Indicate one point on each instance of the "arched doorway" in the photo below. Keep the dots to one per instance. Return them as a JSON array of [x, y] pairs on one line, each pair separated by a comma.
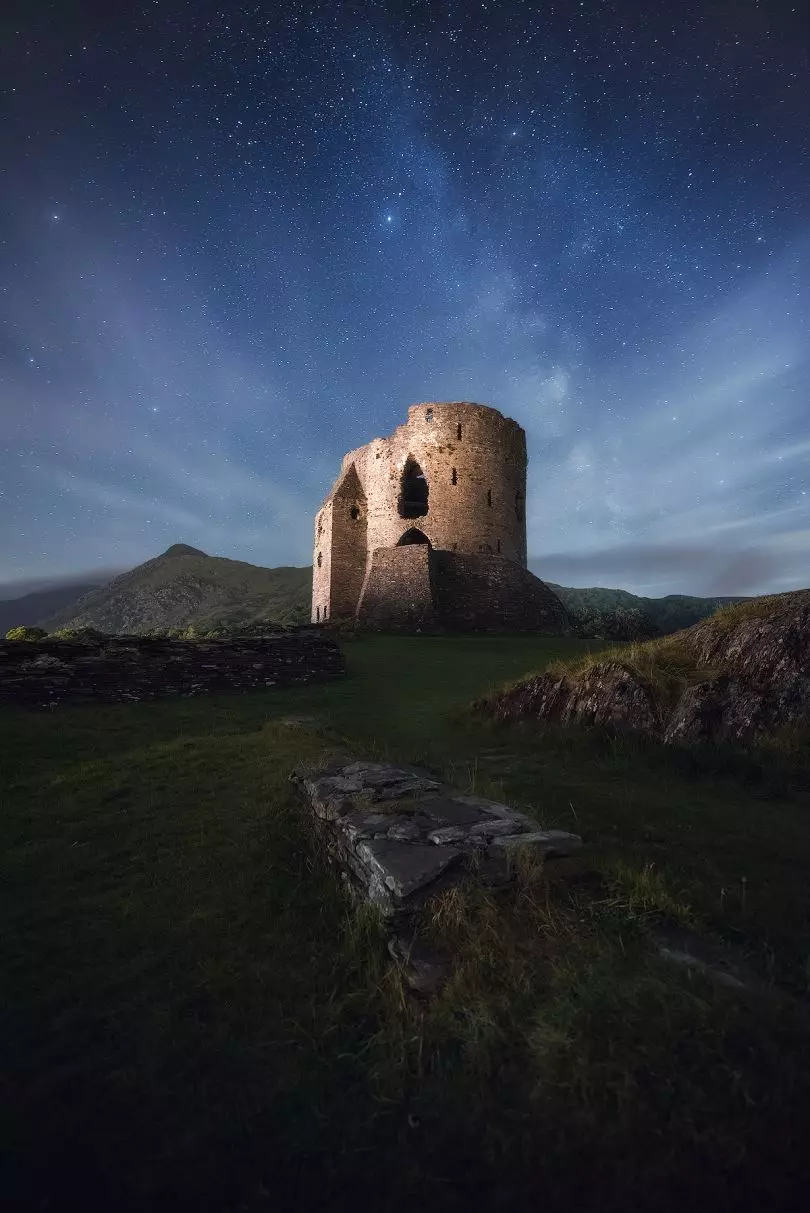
[[414, 535]]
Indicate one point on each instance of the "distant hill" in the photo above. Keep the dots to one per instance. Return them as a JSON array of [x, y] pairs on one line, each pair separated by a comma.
[[185, 586], [29, 609], [671, 613]]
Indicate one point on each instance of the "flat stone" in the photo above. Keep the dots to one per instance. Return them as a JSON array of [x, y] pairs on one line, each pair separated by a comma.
[[395, 781], [451, 811], [498, 827], [359, 824], [446, 834], [405, 829], [406, 867], [550, 842]]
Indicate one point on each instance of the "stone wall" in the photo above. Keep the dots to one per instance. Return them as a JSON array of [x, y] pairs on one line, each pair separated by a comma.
[[397, 592], [121, 669], [418, 587], [492, 594]]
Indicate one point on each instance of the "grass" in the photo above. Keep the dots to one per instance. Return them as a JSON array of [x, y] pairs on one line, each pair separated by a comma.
[[194, 1017]]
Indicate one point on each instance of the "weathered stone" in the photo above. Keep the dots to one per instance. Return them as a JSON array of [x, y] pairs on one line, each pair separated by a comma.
[[47, 672], [406, 830], [425, 969], [547, 842], [405, 867], [446, 834], [451, 811]]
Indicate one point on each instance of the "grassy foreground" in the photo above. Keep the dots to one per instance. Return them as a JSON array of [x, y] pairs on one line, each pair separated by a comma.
[[194, 1017]]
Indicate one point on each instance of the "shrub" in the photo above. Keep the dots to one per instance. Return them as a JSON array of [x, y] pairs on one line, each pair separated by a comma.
[[83, 633], [26, 634]]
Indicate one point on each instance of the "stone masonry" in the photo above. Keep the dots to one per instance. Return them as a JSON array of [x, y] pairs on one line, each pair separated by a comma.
[[427, 529], [122, 669]]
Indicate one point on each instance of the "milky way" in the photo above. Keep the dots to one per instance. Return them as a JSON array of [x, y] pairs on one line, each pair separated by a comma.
[[238, 241]]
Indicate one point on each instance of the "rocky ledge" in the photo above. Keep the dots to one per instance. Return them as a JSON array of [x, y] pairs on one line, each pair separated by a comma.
[[734, 678], [45, 673]]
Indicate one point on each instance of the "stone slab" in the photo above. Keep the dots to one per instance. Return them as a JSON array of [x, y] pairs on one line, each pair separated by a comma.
[[406, 867]]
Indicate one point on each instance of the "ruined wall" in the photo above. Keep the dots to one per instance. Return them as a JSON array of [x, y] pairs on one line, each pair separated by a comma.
[[474, 463], [478, 509], [492, 594], [340, 550], [397, 591], [433, 590], [122, 669]]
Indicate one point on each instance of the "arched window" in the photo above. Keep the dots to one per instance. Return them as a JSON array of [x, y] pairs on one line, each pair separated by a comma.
[[413, 492], [414, 535]]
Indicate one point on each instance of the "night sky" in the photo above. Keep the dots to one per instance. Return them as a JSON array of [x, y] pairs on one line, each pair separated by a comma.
[[237, 241]]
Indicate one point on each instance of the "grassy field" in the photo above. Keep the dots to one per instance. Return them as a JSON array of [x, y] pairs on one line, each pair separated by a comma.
[[194, 1017]]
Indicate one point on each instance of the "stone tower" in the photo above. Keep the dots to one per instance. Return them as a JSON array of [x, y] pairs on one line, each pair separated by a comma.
[[427, 528]]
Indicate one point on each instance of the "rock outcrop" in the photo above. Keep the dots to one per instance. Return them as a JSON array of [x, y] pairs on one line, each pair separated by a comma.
[[45, 673], [739, 675]]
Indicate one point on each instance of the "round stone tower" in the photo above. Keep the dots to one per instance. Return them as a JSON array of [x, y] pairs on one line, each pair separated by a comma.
[[432, 517]]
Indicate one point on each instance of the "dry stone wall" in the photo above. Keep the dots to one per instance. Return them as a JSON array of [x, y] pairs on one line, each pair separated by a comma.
[[122, 669]]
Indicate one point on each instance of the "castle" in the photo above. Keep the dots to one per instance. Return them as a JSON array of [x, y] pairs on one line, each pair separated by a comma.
[[427, 529]]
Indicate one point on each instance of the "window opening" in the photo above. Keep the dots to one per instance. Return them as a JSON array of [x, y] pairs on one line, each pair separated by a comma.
[[454, 477], [429, 415], [458, 431], [318, 614], [489, 498], [499, 546], [355, 512], [413, 492], [320, 559]]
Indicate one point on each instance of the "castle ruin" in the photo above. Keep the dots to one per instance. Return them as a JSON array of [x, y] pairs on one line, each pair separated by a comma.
[[427, 529]]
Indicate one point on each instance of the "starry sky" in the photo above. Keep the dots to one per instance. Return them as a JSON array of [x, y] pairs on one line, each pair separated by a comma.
[[239, 240]]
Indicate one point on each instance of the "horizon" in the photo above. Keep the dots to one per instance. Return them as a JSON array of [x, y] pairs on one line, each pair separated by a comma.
[[11, 590], [229, 258]]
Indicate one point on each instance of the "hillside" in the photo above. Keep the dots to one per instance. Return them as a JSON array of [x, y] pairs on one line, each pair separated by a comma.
[[28, 609], [736, 677], [184, 586], [671, 613]]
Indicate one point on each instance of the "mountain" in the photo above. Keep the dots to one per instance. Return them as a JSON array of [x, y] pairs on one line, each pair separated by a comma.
[[185, 586], [28, 609], [671, 613]]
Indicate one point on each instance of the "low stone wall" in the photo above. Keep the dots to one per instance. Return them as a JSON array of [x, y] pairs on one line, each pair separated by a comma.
[[120, 669], [399, 837]]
